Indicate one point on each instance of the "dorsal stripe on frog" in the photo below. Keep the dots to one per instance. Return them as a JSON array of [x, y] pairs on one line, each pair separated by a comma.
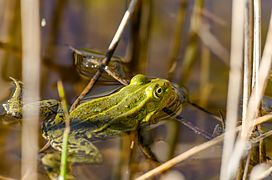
[[120, 113]]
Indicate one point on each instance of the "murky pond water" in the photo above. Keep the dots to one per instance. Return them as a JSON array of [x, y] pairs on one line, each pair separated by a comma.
[[92, 24]]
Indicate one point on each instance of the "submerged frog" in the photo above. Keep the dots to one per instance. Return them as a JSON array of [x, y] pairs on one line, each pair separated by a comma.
[[134, 106]]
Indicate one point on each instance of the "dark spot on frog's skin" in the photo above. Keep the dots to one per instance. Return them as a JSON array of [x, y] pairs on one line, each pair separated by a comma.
[[83, 143], [81, 152], [49, 168]]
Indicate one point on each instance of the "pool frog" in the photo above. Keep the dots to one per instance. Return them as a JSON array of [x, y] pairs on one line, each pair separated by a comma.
[[135, 106]]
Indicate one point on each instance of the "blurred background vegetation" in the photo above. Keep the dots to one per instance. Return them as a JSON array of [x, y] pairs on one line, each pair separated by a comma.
[[185, 41]]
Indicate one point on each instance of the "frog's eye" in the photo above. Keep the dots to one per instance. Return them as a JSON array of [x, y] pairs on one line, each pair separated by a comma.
[[157, 93]]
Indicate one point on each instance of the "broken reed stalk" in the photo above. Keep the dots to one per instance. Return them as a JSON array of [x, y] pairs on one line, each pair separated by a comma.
[[64, 150], [248, 49], [31, 79], [109, 53], [197, 149], [254, 102], [256, 44], [255, 70], [236, 59], [247, 71]]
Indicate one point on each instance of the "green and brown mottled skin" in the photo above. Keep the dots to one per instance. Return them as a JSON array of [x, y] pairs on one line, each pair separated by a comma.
[[137, 105], [14, 105]]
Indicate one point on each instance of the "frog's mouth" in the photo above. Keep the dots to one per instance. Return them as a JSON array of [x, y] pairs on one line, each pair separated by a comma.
[[173, 107], [175, 104]]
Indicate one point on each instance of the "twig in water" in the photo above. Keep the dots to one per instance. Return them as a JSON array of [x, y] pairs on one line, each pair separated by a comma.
[[169, 164], [109, 53], [188, 124], [261, 137], [209, 113]]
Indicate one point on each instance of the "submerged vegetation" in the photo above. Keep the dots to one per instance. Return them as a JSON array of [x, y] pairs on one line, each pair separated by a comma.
[[222, 95]]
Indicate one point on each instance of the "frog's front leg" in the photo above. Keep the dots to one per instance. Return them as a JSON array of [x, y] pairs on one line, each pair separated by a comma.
[[145, 146], [80, 150]]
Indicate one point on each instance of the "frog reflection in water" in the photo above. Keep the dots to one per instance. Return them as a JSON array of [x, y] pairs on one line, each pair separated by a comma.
[[134, 106]]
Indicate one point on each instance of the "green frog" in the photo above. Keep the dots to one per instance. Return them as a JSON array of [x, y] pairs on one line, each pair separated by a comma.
[[133, 107]]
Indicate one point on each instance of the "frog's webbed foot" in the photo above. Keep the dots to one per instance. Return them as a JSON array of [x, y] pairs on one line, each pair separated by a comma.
[[51, 163]]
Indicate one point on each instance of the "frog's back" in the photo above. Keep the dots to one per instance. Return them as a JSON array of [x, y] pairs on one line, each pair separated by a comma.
[[124, 110], [102, 111]]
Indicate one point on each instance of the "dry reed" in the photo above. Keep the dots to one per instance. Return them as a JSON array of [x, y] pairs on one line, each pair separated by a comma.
[[236, 58], [31, 78]]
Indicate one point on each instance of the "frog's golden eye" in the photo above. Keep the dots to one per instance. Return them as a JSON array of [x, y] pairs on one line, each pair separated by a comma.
[[157, 93]]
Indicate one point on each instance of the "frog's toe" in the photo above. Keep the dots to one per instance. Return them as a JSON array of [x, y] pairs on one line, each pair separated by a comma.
[[51, 163]]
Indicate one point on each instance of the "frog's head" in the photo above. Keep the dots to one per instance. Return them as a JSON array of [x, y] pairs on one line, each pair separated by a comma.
[[161, 94]]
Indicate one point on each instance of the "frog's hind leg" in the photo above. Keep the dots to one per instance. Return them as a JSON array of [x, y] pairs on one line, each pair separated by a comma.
[[83, 151], [80, 151], [14, 105], [145, 146]]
